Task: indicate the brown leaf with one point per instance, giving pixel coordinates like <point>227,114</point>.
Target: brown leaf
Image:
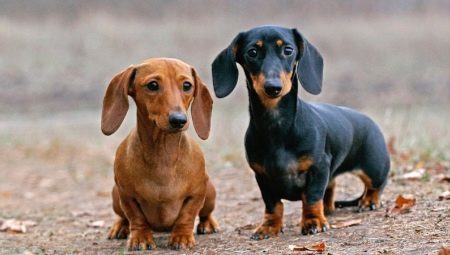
<point>347,223</point>
<point>444,251</point>
<point>444,196</point>
<point>319,247</point>
<point>246,227</point>
<point>403,204</point>
<point>445,179</point>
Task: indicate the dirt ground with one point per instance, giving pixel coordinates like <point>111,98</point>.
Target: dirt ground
<point>61,179</point>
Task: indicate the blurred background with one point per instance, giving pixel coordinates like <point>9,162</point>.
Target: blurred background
<point>389,59</point>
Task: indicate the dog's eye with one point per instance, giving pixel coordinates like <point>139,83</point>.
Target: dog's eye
<point>187,86</point>
<point>153,86</point>
<point>252,52</point>
<point>288,51</point>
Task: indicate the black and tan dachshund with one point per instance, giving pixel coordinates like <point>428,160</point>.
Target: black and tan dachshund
<point>295,148</point>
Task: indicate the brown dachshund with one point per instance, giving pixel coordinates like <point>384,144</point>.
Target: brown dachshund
<point>160,175</point>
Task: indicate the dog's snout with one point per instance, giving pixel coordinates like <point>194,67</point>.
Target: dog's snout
<point>177,119</point>
<point>273,88</point>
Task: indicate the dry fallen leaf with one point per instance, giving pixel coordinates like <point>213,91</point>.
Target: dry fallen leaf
<point>347,223</point>
<point>444,251</point>
<point>445,179</point>
<point>414,175</point>
<point>16,226</point>
<point>403,204</point>
<point>445,195</point>
<point>319,247</point>
<point>96,224</point>
<point>246,227</point>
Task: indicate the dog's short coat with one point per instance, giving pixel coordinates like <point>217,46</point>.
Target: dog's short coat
<point>159,171</point>
<point>295,148</point>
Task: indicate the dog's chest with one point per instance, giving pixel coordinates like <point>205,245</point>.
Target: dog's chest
<point>282,163</point>
<point>161,204</point>
<point>285,171</point>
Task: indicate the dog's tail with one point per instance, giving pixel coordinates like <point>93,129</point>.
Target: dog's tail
<point>354,202</point>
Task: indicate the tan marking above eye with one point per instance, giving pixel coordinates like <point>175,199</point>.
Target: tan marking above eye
<point>279,42</point>
<point>259,43</point>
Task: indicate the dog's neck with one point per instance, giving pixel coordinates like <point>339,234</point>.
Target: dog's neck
<point>157,144</point>
<point>278,120</point>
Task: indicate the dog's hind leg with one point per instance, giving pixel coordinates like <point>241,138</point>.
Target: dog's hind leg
<point>120,228</point>
<point>208,224</point>
<point>371,195</point>
<point>374,171</point>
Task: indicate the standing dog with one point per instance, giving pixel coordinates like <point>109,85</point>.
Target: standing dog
<point>159,171</point>
<point>295,148</point>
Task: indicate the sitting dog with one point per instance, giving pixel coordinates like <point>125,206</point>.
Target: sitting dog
<point>161,182</point>
<point>295,148</point>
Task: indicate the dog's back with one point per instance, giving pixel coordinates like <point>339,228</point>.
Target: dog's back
<point>350,137</point>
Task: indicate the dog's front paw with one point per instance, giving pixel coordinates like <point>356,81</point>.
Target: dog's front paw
<point>313,218</point>
<point>272,224</point>
<point>141,240</point>
<point>207,226</point>
<point>119,230</point>
<point>266,230</point>
<point>181,241</point>
<point>312,226</point>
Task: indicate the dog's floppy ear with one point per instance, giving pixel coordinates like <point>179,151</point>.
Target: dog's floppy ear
<point>201,108</point>
<point>309,66</point>
<point>224,69</point>
<point>115,102</point>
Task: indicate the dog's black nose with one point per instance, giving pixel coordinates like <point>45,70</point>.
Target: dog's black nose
<point>272,88</point>
<point>177,119</point>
